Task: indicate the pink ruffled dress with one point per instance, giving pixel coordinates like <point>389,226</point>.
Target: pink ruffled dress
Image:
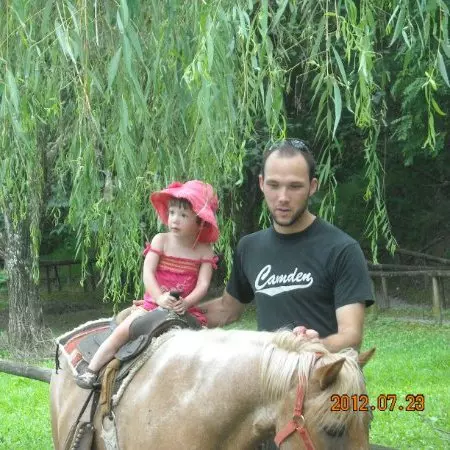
<point>177,274</point>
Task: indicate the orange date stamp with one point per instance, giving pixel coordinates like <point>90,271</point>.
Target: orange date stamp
<point>384,402</point>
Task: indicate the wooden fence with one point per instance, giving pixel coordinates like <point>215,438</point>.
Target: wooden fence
<point>437,274</point>
<point>52,272</point>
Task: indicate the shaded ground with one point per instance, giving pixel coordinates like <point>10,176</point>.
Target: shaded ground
<point>71,306</point>
<point>63,310</point>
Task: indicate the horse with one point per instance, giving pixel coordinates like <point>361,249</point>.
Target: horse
<point>216,389</point>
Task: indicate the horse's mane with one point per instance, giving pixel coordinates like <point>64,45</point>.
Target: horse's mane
<point>286,357</point>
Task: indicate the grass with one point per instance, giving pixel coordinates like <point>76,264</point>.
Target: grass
<point>411,358</point>
<point>24,409</point>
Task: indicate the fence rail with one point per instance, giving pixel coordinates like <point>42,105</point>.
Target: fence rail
<point>437,274</point>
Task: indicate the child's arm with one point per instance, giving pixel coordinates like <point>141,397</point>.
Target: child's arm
<point>201,288</point>
<point>203,282</point>
<point>150,283</point>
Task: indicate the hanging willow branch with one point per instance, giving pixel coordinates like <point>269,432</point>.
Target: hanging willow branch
<point>133,95</point>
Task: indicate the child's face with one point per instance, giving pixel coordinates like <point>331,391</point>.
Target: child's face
<point>183,221</point>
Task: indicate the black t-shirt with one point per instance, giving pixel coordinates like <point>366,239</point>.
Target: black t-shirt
<point>300,278</point>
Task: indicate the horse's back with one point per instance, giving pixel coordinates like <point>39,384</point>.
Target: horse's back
<point>185,390</point>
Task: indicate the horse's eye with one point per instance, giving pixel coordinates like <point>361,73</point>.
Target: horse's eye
<point>335,431</point>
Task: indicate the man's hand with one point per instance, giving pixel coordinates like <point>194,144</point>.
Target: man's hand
<point>222,310</point>
<point>306,333</point>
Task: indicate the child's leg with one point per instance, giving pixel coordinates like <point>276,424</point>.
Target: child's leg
<point>109,346</point>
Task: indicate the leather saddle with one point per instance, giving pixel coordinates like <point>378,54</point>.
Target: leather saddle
<point>142,330</point>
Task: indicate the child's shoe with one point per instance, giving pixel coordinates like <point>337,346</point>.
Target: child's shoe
<point>87,379</point>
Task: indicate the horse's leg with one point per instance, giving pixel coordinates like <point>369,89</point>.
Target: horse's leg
<point>117,338</point>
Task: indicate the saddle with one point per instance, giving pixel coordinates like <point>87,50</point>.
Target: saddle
<point>142,330</point>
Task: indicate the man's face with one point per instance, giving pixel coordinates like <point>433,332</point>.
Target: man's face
<point>287,188</point>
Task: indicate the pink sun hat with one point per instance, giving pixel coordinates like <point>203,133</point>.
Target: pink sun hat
<point>203,200</point>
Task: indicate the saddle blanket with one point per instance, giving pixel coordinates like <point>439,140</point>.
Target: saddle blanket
<point>69,343</point>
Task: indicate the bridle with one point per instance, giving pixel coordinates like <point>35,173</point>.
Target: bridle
<point>297,423</point>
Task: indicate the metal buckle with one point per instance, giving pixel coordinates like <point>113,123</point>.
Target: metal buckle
<point>299,421</point>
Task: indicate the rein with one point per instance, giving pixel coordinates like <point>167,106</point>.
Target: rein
<point>297,423</point>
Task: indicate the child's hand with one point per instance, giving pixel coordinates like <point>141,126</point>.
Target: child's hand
<point>138,302</point>
<point>166,300</point>
<point>180,306</point>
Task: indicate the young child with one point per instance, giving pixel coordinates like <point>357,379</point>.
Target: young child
<point>180,260</point>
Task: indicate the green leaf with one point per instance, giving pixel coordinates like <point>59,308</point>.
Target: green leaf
<point>127,54</point>
<point>113,67</point>
<point>446,48</point>
<point>209,44</point>
<point>399,24</point>
<point>135,42</point>
<point>444,6</point>
<point>437,108</point>
<point>263,16</point>
<point>442,69</point>
<point>318,40</point>
<point>268,103</point>
<point>61,34</point>
<point>13,91</point>
<point>337,105</point>
<point>340,65</point>
<point>124,12</point>
<point>120,23</point>
<point>279,13</point>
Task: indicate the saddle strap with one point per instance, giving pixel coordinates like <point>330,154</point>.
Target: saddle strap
<point>109,378</point>
<point>81,433</point>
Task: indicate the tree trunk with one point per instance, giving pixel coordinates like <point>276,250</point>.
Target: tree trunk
<point>25,323</point>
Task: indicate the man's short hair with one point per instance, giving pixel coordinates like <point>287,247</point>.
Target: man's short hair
<point>292,147</point>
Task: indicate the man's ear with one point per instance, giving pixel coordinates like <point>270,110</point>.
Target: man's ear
<point>261,182</point>
<point>314,186</point>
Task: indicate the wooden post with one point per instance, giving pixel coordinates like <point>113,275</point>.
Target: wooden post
<point>55,269</point>
<point>92,274</point>
<point>47,271</point>
<point>437,303</point>
<point>384,290</point>
<point>373,310</point>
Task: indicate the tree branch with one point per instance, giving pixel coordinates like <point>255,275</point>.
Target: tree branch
<point>23,370</point>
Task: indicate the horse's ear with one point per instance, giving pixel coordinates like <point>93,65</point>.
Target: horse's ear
<point>328,374</point>
<point>363,358</point>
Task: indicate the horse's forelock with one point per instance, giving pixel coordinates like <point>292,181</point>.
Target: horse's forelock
<point>284,356</point>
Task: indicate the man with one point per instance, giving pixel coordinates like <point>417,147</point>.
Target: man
<point>302,272</point>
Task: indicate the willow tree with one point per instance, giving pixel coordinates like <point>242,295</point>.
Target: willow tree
<point>108,101</point>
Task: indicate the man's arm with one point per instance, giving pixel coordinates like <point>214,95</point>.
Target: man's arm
<point>222,310</point>
<point>350,321</point>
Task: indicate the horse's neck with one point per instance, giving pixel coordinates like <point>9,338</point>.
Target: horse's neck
<point>224,372</point>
